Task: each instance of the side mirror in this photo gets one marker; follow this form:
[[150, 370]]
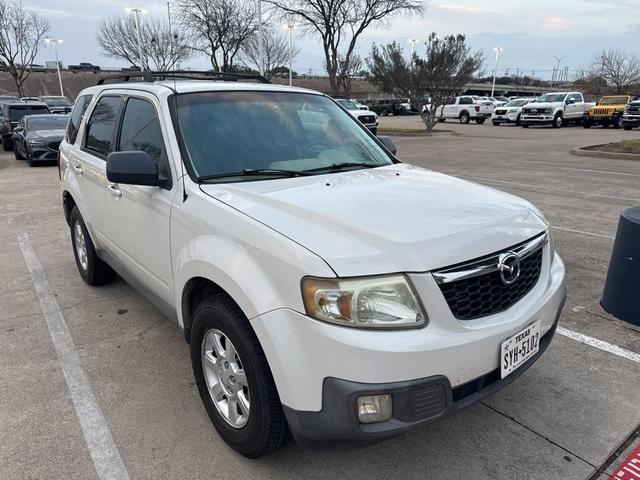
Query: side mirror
[[389, 145], [570, 101], [132, 168]]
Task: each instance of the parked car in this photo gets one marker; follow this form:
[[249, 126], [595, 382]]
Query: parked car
[[607, 112], [465, 109], [84, 67], [37, 137], [325, 288], [386, 107], [631, 115], [368, 118], [10, 115], [510, 112], [8, 98], [555, 109], [57, 104], [361, 106]]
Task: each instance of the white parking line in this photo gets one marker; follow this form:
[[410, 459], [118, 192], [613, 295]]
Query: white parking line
[[103, 450], [602, 345], [582, 232]]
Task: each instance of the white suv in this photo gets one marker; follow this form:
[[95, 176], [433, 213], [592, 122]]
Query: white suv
[[326, 288]]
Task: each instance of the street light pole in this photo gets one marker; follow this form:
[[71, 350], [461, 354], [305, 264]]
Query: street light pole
[[136, 19], [260, 38], [413, 42], [498, 51], [290, 28], [55, 42]]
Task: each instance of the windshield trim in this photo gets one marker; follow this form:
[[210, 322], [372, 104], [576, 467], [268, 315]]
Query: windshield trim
[[185, 160]]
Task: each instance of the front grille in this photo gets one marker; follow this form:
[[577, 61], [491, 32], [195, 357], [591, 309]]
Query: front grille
[[485, 294], [634, 109], [534, 110], [368, 119], [54, 145], [501, 112], [600, 111]]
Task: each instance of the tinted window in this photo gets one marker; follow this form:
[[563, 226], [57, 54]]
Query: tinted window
[[17, 112], [76, 117], [466, 100], [141, 130], [102, 125], [46, 122]]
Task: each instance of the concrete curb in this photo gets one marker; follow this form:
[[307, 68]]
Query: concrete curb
[[416, 134], [585, 152]]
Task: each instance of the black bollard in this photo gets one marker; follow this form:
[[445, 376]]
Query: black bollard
[[621, 296]]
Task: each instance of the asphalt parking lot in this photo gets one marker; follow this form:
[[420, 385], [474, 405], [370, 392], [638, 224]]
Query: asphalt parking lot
[[573, 415]]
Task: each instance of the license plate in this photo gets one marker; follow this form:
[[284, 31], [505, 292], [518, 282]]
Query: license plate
[[519, 348]]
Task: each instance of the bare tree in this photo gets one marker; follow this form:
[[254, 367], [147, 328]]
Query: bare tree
[[449, 65], [348, 71], [21, 34], [162, 49], [339, 24], [219, 26], [618, 68], [275, 50]]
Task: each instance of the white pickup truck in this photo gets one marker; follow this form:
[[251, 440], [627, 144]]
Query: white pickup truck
[[465, 109], [555, 109]]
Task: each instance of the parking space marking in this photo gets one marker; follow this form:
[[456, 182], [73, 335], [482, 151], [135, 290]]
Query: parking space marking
[[103, 450], [600, 344], [582, 232]]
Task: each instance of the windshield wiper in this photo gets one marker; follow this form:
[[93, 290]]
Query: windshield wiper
[[341, 166], [249, 172]]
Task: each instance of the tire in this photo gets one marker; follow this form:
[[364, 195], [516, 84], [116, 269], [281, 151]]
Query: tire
[[617, 123], [525, 125], [264, 428], [442, 120], [518, 120], [92, 270], [17, 155], [558, 121], [384, 112], [464, 117], [586, 124], [496, 124], [627, 127], [480, 121]]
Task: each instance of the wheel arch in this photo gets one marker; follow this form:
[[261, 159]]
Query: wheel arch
[[68, 202]]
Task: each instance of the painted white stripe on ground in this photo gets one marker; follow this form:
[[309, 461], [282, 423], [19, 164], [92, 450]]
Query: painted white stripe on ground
[[103, 450], [602, 345], [582, 232]]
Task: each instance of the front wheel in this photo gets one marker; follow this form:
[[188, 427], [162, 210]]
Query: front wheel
[[234, 379], [18, 156], [558, 121], [92, 269], [627, 127], [518, 120], [480, 121], [496, 124], [617, 123]]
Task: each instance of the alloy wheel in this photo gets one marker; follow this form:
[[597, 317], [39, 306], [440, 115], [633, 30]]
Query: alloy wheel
[[81, 245]]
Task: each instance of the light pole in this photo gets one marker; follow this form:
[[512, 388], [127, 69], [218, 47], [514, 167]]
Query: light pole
[[289, 27], [556, 70], [136, 19], [55, 42], [260, 38], [413, 42], [498, 51]]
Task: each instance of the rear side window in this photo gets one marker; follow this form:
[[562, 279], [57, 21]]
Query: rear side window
[[101, 128], [77, 114]]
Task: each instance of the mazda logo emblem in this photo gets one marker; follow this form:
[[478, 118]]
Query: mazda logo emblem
[[509, 267]]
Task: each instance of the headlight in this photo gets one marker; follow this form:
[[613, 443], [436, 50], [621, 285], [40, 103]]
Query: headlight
[[370, 302], [513, 110]]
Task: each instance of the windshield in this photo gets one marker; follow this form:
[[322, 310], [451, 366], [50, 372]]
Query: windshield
[[57, 102], [46, 122], [227, 132], [613, 101], [517, 103], [17, 112], [552, 97], [348, 104]]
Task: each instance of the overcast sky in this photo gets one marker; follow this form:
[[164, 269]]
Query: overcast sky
[[531, 32]]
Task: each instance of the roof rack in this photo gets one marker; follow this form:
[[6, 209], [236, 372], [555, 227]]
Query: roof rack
[[149, 76]]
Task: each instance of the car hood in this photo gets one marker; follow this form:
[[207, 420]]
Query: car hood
[[398, 218], [543, 104], [47, 134]]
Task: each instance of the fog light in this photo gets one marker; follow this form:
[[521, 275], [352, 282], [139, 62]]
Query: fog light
[[374, 408]]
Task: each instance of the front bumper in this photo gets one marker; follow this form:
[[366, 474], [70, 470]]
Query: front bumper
[[631, 121], [508, 118], [537, 119], [43, 154], [309, 358]]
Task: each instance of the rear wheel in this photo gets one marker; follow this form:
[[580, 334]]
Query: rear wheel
[[518, 120], [234, 379], [465, 117], [92, 270], [627, 127]]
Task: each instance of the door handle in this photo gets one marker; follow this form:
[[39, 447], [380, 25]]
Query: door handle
[[115, 190], [78, 169]]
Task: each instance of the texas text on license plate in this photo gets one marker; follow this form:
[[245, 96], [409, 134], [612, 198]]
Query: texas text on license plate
[[519, 348]]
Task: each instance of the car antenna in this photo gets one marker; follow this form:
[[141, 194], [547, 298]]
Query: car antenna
[[175, 92]]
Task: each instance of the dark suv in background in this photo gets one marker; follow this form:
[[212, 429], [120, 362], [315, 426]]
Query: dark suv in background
[[57, 104], [10, 115]]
